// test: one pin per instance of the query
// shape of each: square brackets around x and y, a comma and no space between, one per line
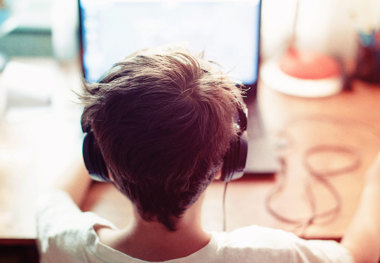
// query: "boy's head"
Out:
[163,120]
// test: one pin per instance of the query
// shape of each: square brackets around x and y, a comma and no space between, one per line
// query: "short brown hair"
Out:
[163,120]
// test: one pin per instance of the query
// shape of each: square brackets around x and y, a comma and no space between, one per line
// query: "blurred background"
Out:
[36,34]
[48,27]
[28,27]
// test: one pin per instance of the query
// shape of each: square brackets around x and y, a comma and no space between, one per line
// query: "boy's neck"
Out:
[152,241]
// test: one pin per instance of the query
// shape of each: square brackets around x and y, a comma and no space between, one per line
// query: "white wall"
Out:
[324,25]
[32,13]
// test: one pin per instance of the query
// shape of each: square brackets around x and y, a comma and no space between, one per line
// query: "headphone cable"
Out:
[224,214]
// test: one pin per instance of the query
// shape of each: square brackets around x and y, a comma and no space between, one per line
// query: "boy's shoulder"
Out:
[68,235]
[261,244]
[63,231]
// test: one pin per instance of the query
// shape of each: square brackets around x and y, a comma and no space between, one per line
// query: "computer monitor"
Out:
[227,31]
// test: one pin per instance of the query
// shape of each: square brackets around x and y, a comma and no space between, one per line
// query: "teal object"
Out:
[4,15]
[367,39]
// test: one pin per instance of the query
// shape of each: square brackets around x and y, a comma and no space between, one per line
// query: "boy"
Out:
[162,122]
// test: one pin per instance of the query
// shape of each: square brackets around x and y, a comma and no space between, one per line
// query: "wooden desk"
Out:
[36,141]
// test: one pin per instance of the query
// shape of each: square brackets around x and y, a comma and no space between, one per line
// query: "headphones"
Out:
[236,157]
[93,158]
[233,162]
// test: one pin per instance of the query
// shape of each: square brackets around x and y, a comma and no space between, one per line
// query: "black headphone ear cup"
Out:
[235,159]
[93,159]
[227,171]
[242,157]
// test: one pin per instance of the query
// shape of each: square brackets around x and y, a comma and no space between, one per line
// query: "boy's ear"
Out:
[110,175]
[218,175]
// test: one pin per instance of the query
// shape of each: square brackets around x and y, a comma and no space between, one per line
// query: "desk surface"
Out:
[30,150]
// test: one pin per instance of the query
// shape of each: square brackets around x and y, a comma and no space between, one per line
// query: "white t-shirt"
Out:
[65,234]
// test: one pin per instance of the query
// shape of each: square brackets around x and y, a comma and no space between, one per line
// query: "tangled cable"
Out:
[321,177]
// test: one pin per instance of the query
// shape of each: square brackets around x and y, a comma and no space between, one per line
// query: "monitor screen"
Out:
[227,31]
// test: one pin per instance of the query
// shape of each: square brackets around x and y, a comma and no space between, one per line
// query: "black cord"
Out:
[326,148]
[321,177]
[299,222]
[224,227]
